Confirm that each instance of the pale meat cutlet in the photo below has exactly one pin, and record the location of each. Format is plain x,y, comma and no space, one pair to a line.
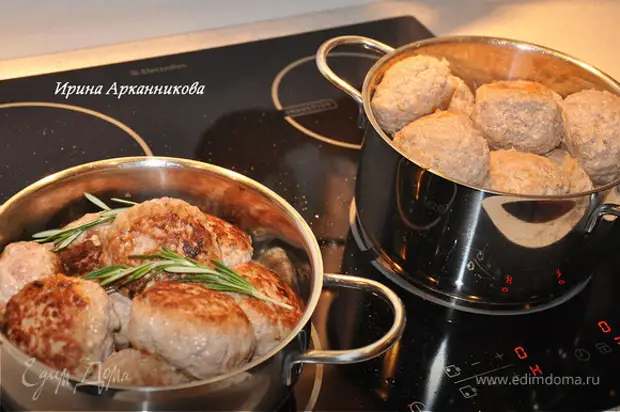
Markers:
277,260
592,121
64,322
196,330
134,368
122,307
271,323
448,143
578,179
412,88
22,263
520,173
463,100
519,114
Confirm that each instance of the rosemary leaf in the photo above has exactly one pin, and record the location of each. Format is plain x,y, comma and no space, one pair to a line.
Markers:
127,202
47,233
67,241
187,261
61,238
142,271
198,278
139,272
103,272
239,280
137,275
169,254
113,212
187,269
147,257
266,298
96,201
130,279
119,274
216,286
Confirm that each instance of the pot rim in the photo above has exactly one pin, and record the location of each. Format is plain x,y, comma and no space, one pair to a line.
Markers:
501,41
172,162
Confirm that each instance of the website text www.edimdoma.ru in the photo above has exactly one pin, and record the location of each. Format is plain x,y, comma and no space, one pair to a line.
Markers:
526,380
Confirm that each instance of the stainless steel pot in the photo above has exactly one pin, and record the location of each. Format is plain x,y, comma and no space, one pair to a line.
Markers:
273,223
460,246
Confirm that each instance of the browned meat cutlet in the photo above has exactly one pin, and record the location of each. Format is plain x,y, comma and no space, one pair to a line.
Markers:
271,323
235,245
64,322
84,253
196,330
160,223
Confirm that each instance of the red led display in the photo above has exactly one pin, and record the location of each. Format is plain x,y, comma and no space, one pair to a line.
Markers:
558,273
536,370
604,326
617,339
520,352
507,281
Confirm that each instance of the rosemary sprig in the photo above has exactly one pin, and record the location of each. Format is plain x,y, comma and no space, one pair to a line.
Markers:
64,237
220,278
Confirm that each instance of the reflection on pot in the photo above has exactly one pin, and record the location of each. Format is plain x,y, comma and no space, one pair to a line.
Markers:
422,198
535,223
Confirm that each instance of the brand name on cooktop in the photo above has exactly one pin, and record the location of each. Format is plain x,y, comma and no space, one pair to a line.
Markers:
67,89
158,69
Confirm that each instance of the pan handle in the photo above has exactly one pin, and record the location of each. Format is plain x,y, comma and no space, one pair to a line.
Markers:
328,73
361,354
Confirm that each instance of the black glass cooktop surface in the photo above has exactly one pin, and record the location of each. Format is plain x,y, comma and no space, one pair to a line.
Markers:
265,111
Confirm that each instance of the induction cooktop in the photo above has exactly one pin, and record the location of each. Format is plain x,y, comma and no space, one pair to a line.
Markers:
264,110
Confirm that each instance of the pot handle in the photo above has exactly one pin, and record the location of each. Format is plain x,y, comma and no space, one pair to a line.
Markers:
606,209
361,354
328,73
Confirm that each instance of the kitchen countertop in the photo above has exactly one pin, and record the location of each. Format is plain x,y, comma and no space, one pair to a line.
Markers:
119,32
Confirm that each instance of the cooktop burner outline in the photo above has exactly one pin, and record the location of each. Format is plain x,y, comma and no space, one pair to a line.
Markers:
111,120
324,104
